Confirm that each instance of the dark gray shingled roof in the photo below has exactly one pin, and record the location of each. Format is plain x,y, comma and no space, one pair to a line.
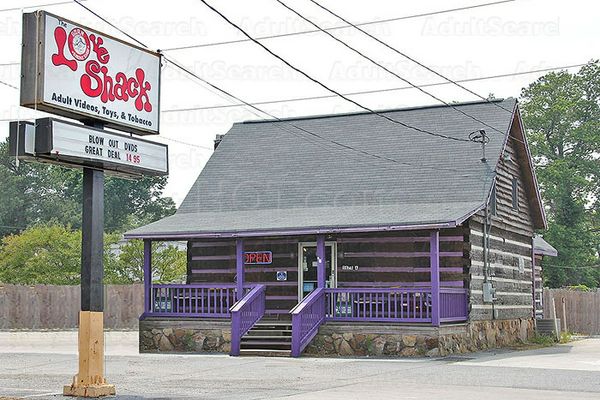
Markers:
267,176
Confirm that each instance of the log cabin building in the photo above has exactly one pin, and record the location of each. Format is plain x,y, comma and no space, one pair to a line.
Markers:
349,234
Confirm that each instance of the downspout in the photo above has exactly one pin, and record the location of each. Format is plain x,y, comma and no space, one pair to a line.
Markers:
487,229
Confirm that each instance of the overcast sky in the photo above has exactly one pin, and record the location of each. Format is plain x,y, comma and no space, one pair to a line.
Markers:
506,38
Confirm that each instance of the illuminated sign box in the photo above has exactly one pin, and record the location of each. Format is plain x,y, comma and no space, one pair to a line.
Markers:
74,71
258,257
71,143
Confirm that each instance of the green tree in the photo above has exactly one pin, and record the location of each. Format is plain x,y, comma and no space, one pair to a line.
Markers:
561,113
168,263
51,254
45,254
34,193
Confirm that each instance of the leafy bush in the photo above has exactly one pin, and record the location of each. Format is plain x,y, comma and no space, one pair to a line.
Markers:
51,254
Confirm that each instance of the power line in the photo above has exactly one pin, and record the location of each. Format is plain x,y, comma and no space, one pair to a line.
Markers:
325,86
330,96
109,23
9,85
186,143
363,55
36,5
406,55
569,266
381,21
494,129
341,145
254,107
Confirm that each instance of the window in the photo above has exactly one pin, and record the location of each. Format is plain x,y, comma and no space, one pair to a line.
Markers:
515,193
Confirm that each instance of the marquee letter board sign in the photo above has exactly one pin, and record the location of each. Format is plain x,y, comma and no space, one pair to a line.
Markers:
87,75
72,143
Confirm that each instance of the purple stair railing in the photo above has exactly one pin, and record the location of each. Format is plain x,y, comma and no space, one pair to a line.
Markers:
211,300
244,314
454,306
307,316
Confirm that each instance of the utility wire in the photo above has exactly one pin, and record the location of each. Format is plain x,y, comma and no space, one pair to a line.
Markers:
335,142
389,71
109,23
544,265
9,85
233,24
339,144
381,21
342,145
330,96
36,6
405,55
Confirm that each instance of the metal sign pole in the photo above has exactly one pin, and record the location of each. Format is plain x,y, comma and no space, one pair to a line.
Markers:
90,381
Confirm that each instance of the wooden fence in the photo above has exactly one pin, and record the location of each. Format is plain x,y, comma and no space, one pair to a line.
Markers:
57,307
581,309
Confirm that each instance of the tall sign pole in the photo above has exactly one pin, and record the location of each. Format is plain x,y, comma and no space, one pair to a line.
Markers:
90,380
77,72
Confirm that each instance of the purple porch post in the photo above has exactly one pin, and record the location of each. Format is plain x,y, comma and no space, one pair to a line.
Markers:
321,266
239,267
147,275
434,260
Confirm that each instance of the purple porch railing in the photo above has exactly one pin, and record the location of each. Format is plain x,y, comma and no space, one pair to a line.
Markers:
194,300
244,314
371,305
379,305
453,304
307,316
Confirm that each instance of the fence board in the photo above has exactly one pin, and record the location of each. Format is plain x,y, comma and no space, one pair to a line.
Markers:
57,307
582,309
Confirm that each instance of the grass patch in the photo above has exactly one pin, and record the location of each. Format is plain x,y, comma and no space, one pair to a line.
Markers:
566,337
543,340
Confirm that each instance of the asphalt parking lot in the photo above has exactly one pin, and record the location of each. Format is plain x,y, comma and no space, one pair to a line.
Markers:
37,365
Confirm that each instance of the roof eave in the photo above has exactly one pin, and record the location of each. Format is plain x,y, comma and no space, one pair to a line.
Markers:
551,253
288,232
542,223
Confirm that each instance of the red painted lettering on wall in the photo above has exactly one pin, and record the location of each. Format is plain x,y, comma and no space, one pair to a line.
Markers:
97,80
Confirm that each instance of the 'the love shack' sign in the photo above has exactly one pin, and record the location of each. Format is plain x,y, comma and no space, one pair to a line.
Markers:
77,72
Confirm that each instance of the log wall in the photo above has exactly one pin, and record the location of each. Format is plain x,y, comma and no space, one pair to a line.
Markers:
363,260
511,238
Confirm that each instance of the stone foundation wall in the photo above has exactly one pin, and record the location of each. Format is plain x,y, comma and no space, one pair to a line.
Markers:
185,336
410,341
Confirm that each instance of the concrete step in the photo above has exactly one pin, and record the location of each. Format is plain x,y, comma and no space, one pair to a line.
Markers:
267,338
271,325
266,345
271,332
265,353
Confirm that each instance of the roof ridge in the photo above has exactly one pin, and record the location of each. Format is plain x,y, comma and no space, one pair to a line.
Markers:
357,113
